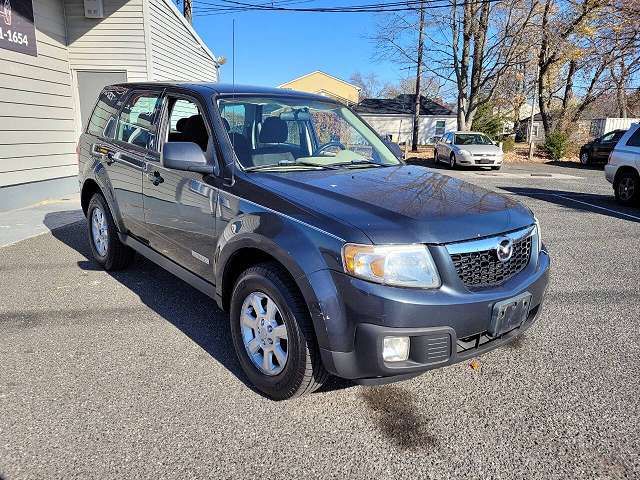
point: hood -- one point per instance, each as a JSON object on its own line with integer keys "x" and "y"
{"x": 404, "y": 204}
{"x": 493, "y": 149}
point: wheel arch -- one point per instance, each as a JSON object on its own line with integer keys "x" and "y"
{"x": 89, "y": 188}
{"x": 625, "y": 169}
{"x": 251, "y": 251}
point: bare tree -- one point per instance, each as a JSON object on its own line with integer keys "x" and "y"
{"x": 585, "y": 51}
{"x": 369, "y": 84}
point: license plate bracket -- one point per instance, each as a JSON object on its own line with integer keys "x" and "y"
{"x": 509, "y": 314}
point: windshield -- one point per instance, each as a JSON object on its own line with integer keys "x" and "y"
{"x": 287, "y": 133}
{"x": 472, "y": 139}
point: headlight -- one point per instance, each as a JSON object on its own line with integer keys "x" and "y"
{"x": 538, "y": 234}
{"x": 464, "y": 153}
{"x": 399, "y": 265}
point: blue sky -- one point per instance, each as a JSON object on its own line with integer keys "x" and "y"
{"x": 274, "y": 47}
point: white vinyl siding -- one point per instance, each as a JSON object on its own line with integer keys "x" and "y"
{"x": 37, "y": 139}
{"x": 400, "y": 127}
{"x": 176, "y": 54}
{"x": 116, "y": 42}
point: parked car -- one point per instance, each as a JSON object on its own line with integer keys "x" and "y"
{"x": 330, "y": 255}
{"x": 623, "y": 167}
{"x": 598, "y": 150}
{"x": 468, "y": 149}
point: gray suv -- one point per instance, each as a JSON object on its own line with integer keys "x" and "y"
{"x": 330, "y": 255}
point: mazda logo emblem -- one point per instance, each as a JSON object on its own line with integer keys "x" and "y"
{"x": 504, "y": 250}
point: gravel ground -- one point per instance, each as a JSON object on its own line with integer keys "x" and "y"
{"x": 132, "y": 374}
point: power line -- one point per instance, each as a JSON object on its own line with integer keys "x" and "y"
{"x": 230, "y": 6}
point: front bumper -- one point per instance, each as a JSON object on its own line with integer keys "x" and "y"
{"x": 479, "y": 161}
{"x": 444, "y": 326}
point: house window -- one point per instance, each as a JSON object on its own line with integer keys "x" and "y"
{"x": 440, "y": 127}
{"x": 535, "y": 130}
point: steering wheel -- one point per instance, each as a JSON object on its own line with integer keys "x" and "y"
{"x": 318, "y": 151}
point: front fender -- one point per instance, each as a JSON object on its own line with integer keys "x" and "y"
{"x": 300, "y": 248}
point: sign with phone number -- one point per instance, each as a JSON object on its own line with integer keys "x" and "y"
{"x": 17, "y": 30}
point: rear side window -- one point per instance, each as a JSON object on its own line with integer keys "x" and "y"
{"x": 105, "y": 112}
{"x": 634, "y": 140}
{"x": 135, "y": 125}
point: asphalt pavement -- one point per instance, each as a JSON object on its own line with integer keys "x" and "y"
{"x": 132, "y": 374}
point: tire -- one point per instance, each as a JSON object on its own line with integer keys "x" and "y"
{"x": 585, "y": 158}
{"x": 627, "y": 188}
{"x": 452, "y": 161}
{"x": 435, "y": 155}
{"x": 112, "y": 254}
{"x": 302, "y": 371}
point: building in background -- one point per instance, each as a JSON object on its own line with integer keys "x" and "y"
{"x": 324, "y": 84}
{"x": 58, "y": 56}
{"x": 394, "y": 117}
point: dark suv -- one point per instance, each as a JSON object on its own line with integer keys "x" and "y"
{"x": 330, "y": 254}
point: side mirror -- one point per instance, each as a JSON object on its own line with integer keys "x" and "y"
{"x": 185, "y": 156}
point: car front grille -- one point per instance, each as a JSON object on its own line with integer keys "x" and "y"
{"x": 482, "y": 268}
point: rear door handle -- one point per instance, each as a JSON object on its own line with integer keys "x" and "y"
{"x": 155, "y": 177}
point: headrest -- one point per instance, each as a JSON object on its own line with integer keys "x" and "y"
{"x": 181, "y": 123}
{"x": 241, "y": 146}
{"x": 227, "y": 127}
{"x": 274, "y": 130}
{"x": 196, "y": 130}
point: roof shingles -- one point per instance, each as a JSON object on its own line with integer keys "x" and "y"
{"x": 402, "y": 105}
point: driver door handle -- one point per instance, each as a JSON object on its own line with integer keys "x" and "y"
{"x": 155, "y": 177}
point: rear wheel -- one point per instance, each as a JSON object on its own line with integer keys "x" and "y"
{"x": 107, "y": 249}
{"x": 585, "y": 158}
{"x": 273, "y": 334}
{"x": 627, "y": 188}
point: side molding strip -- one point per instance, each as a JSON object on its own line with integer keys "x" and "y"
{"x": 183, "y": 274}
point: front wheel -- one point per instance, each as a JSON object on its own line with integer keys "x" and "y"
{"x": 627, "y": 188}
{"x": 273, "y": 335}
{"x": 452, "y": 161}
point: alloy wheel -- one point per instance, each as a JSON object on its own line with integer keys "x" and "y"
{"x": 584, "y": 159}
{"x": 626, "y": 188}
{"x": 264, "y": 333}
{"x": 99, "y": 231}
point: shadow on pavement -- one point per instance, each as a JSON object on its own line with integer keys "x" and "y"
{"x": 577, "y": 165}
{"x": 589, "y": 202}
{"x": 194, "y": 313}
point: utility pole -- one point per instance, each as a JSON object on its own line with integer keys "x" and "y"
{"x": 533, "y": 106}
{"x": 186, "y": 11}
{"x": 416, "y": 107}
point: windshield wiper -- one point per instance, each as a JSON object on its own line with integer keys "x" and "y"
{"x": 286, "y": 163}
{"x": 356, "y": 162}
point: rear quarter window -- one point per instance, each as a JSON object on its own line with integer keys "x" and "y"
{"x": 105, "y": 113}
{"x": 634, "y": 140}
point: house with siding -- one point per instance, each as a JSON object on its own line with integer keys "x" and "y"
{"x": 393, "y": 117}
{"x": 59, "y": 56}
{"x": 322, "y": 83}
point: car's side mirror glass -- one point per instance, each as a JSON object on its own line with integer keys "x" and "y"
{"x": 185, "y": 156}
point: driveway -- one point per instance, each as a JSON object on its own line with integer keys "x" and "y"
{"x": 132, "y": 374}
